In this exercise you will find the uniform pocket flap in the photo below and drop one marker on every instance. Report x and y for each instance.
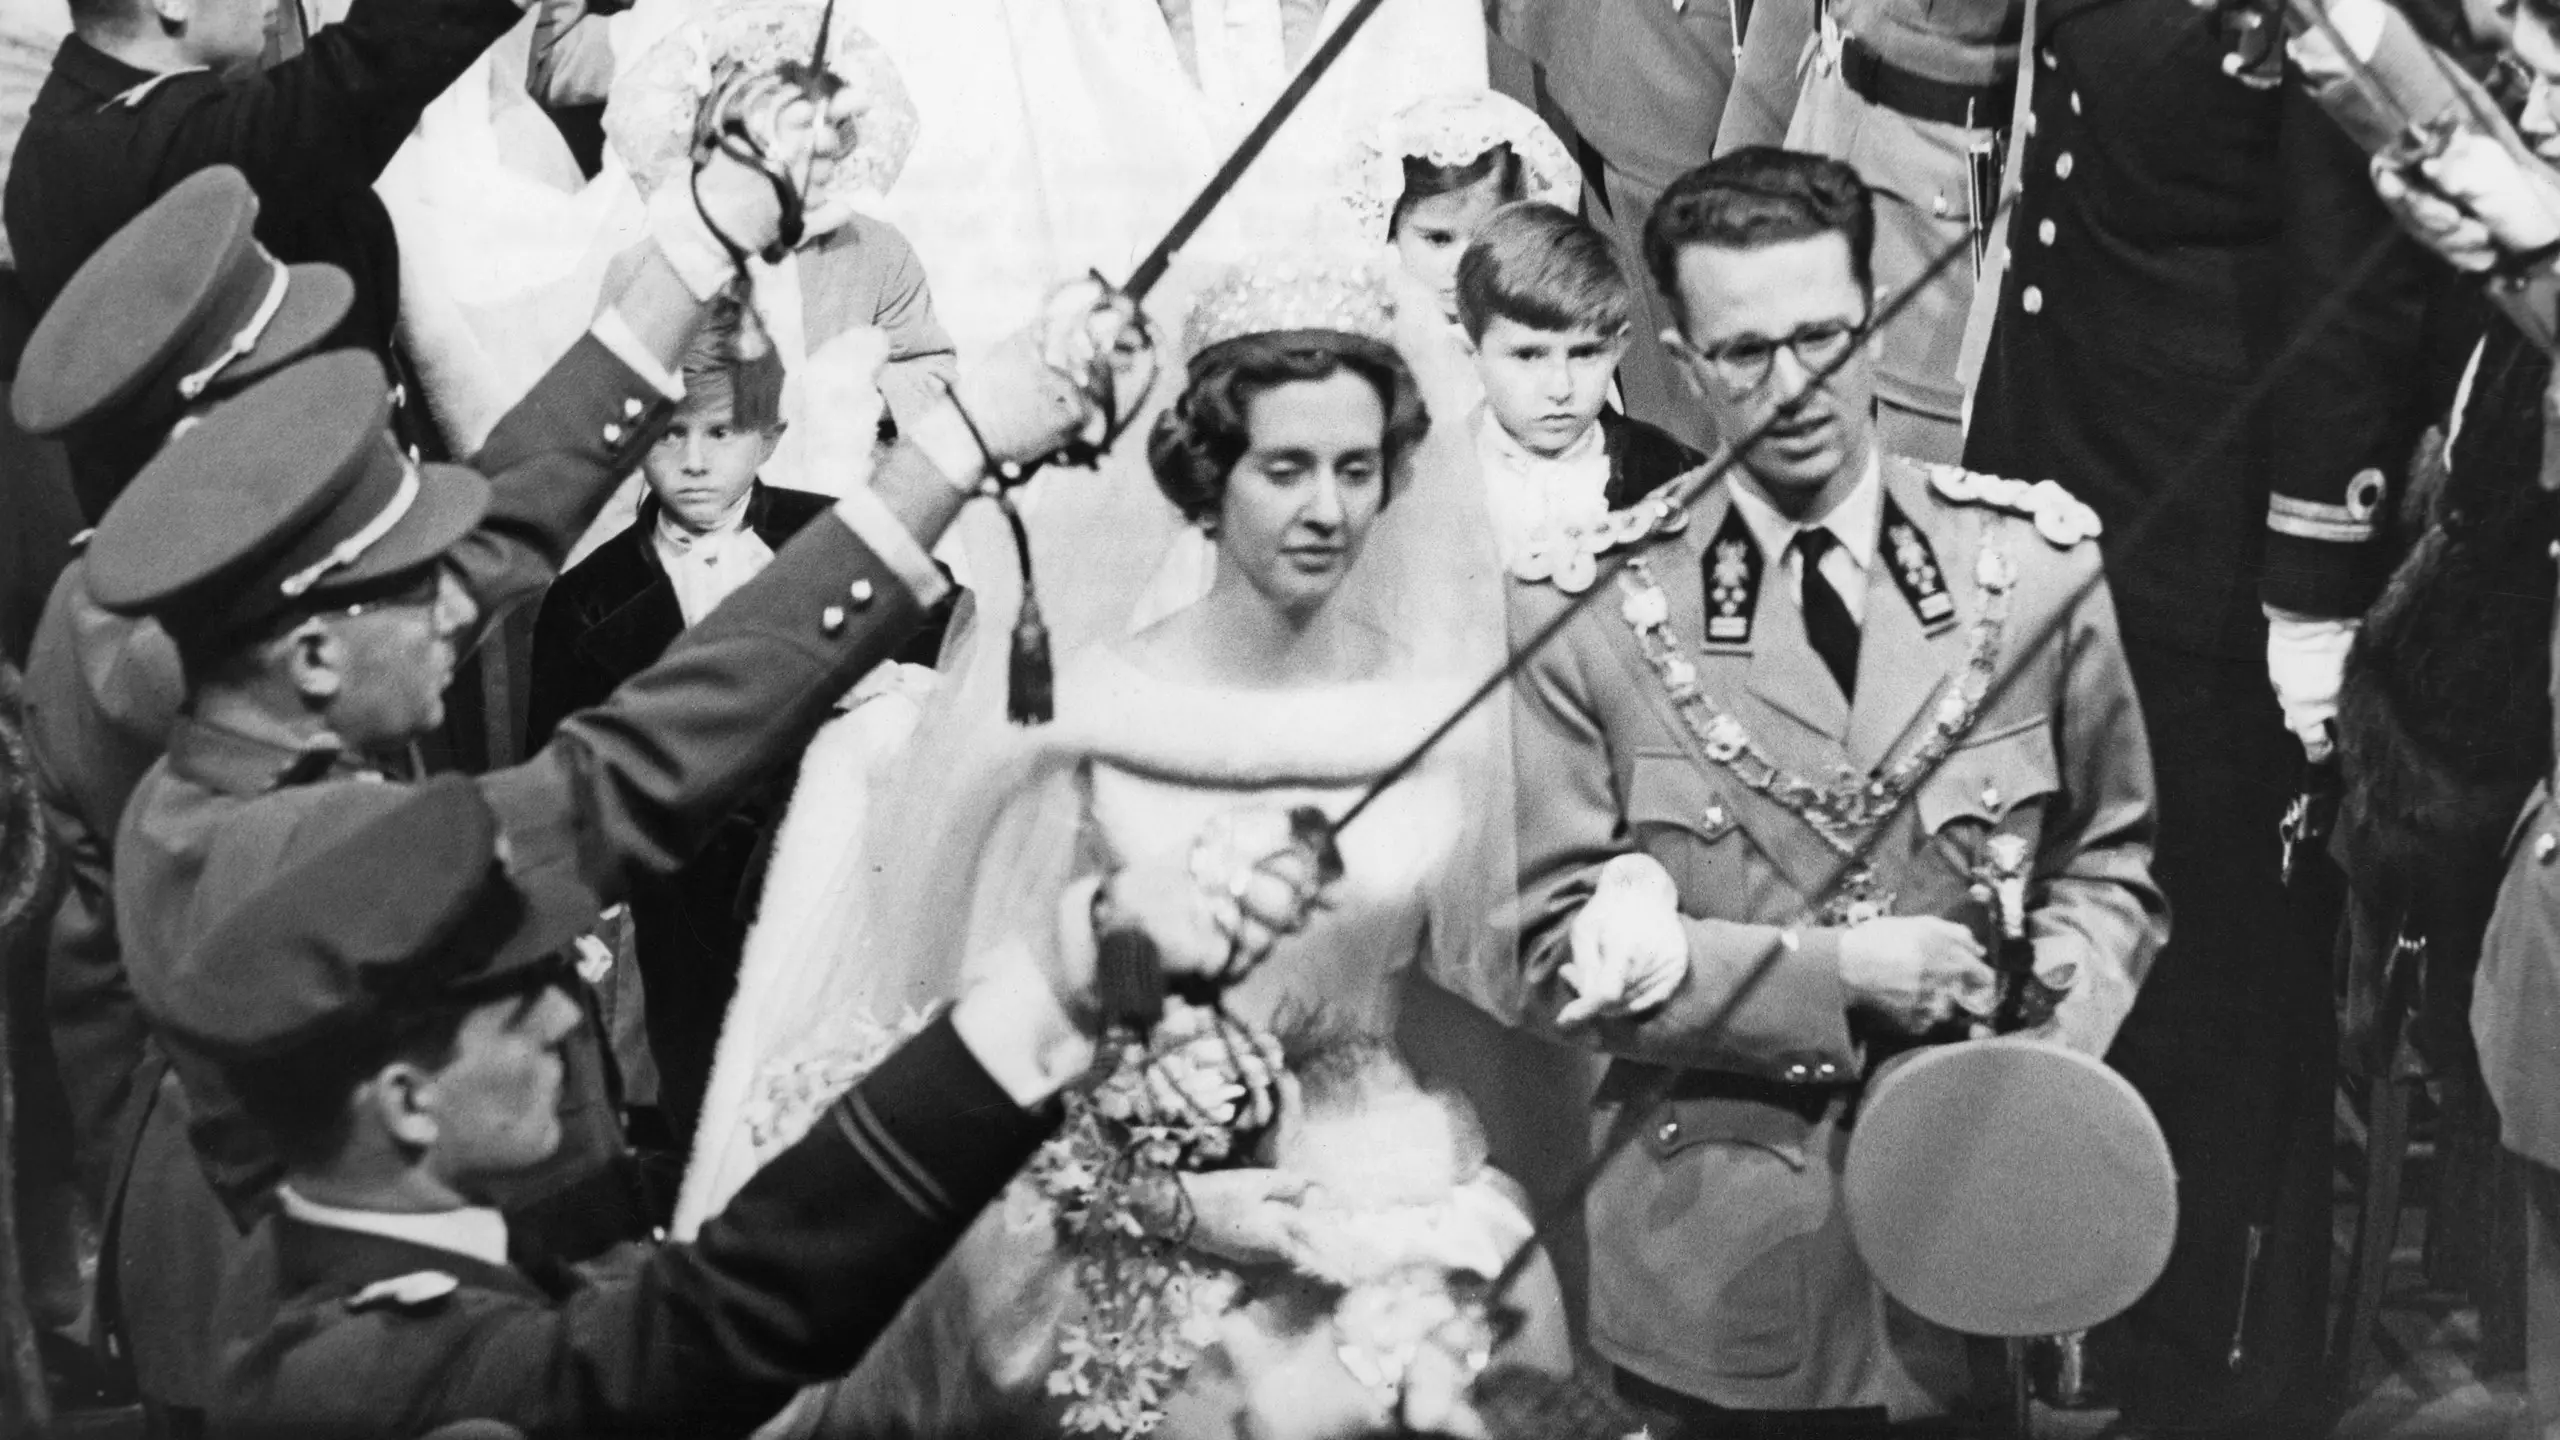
(1672, 790)
(1987, 779)
(1679, 1125)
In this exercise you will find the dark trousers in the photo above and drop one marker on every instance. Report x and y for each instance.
(2232, 1043)
(1670, 1415)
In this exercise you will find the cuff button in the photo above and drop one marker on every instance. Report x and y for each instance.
(1667, 1133)
(612, 434)
(861, 592)
(632, 409)
(831, 620)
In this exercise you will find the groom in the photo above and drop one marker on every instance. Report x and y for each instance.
(1722, 768)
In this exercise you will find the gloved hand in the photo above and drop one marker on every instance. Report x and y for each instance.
(732, 208)
(2305, 659)
(1067, 381)
(2487, 203)
(1629, 949)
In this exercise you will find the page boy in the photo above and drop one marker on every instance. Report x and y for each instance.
(1546, 307)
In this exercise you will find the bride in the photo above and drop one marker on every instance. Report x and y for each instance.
(1351, 599)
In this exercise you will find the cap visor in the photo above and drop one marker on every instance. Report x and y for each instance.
(316, 301)
(451, 501)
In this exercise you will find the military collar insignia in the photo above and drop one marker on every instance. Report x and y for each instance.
(1569, 556)
(417, 1291)
(1847, 809)
(2057, 515)
(1915, 570)
(1734, 567)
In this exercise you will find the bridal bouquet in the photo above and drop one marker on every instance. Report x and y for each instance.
(1189, 1098)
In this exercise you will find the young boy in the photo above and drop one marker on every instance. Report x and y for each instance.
(1546, 308)
(706, 526)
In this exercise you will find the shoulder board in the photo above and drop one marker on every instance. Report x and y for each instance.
(1568, 557)
(2057, 514)
(412, 1294)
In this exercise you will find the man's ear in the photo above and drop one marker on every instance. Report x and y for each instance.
(315, 661)
(400, 1099)
(173, 15)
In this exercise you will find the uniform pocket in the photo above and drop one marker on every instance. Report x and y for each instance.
(1989, 780)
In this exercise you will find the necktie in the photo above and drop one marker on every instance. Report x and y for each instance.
(1827, 621)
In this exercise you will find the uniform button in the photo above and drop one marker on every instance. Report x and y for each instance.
(612, 434)
(2545, 846)
(2031, 124)
(831, 619)
(2075, 102)
(1799, 1072)
(1668, 1132)
(1827, 1070)
(861, 592)
(1714, 817)
(2044, 232)
(1991, 797)
(2062, 166)
(2032, 301)
(2045, 54)
(632, 409)
(1939, 206)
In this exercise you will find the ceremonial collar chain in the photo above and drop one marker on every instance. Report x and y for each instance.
(1846, 811)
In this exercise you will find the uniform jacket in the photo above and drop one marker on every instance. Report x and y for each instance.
(790, 1284)
(553, 461)
(2175, 229)
(312, 133)
(609, 618)
(1721, 1267)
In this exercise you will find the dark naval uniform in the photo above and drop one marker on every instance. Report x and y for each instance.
(312, 134)
(358, 1323)
(1687, 716)
(2176, 228)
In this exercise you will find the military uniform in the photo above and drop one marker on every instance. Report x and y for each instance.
(180, 309)
(2175, 230)
(345, 1321)
(1685, 715)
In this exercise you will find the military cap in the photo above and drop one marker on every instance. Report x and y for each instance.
(404, 905)
(180, 306)
(289, 494)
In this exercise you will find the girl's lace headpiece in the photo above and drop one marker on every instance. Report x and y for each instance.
(1454, 129)
(650, 115)
(1339, 293)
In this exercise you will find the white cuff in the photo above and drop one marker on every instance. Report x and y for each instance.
(685, 238)
(871, 523)
(2358, 24)
(614, 334)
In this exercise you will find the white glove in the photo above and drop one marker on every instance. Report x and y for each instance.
(1629, 950)
(2493, 205)
(2305, 659)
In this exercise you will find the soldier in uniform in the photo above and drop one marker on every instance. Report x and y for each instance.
(142, 95)
(405, 1055)
(168, 318)
(1818, 709)
(2179, 231)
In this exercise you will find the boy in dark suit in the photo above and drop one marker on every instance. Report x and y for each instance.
(704, 529)
(1548, 311)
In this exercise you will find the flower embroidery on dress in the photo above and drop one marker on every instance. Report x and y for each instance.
(1846, 810)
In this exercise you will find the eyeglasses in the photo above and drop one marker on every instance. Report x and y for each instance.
(1743, 365)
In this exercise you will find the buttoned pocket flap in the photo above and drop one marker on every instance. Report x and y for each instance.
(1679, 1125)
(1987, 779)
(1671, 790)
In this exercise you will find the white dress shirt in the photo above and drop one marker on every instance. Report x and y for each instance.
(1855, 522)
(474, 1231)
(707, 568)
(1531, 495)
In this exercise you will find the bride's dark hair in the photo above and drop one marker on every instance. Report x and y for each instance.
(1198, 441)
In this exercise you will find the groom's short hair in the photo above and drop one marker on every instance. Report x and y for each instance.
(1759, 195)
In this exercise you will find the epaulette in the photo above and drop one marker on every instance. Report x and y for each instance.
(412, 1294)
(1568, 556)
(2058, 515)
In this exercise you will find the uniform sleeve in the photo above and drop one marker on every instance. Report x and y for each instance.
(789, 1285)
(335, 114)
(2347, 413)
(1571, 824)
(2100, 912)
(553, 461)
(635, 785)
(98, 1031)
